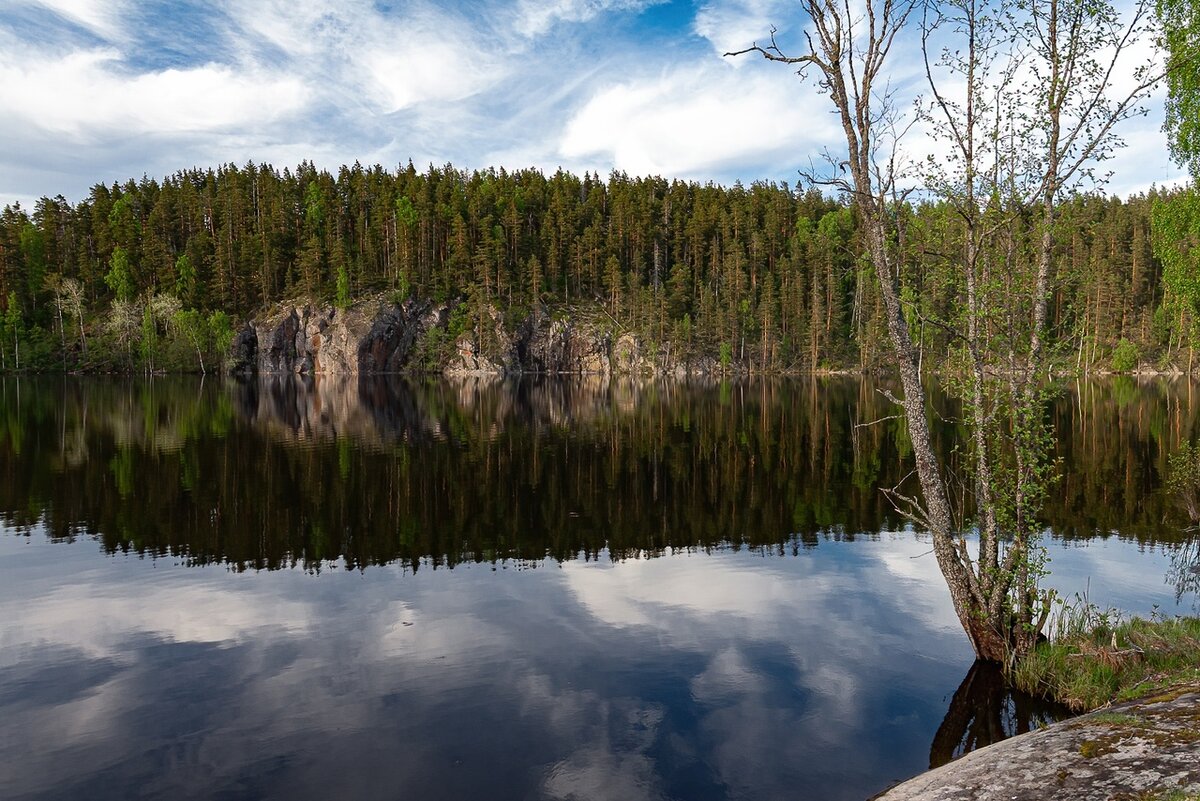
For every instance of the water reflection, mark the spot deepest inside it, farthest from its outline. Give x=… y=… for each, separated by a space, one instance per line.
x=690 y=677
x=983 y=711
x=1184 y=573
x=790 y=643
x=290 y=472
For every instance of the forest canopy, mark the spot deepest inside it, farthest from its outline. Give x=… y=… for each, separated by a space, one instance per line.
x=772 y=275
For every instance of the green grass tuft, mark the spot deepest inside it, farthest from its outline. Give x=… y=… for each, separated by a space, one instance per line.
x=1088 y=666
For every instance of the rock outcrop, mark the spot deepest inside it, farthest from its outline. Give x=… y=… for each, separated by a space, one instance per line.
x=307 y=339
x=565 y=346
x=378 y=336
x=1141 y=749
x=582 y=344
x=490 y=351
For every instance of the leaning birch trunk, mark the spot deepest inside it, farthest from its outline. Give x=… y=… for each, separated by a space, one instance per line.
x=949 y=547
x=849 y=49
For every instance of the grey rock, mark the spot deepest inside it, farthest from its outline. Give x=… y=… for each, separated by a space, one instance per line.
x=305 y=339
x=378 y=336
x=243 y=352
x=1122 y=751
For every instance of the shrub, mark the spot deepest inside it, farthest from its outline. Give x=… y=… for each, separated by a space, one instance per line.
x=1125 y=356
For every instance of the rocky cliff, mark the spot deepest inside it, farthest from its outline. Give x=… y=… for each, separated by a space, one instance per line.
x=379 y=336
x=305 y=338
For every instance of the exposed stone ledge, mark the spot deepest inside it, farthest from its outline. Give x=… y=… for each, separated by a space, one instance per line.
x=1134 y=750
x=377 y=335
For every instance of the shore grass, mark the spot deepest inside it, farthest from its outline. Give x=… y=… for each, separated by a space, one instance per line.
x=1097 y=658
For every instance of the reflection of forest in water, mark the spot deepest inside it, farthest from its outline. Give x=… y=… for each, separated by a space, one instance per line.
x=290 y=471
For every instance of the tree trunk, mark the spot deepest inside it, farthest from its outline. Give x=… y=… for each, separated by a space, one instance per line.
x=953 y=560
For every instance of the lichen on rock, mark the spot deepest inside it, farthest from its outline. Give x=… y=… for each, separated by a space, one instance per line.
x=1130 y=750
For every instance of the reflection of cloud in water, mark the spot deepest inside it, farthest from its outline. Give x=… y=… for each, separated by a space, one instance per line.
x=910 y=560
x=727 y=675
x=797 y=647
x=199 y=614
x=1107 y=572
x=821 y=675
x=614 y=763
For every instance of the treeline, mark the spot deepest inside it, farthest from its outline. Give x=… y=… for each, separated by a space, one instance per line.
x=153 y=273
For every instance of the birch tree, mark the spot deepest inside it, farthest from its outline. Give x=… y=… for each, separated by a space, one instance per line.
x=1029 y=121
x=1176 y=221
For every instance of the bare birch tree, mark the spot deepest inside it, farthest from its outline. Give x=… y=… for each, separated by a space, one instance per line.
x=73 y=303
x=123 y=323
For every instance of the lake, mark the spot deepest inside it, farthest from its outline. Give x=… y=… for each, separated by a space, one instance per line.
x=543 y=589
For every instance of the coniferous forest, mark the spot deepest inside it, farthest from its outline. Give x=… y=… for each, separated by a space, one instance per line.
x=768 y=277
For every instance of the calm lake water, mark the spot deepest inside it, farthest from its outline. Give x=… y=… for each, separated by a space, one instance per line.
x=534 y=590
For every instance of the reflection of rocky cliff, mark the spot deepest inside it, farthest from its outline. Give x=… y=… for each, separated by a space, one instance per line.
x=383 y=337
x=376 y=409
x=281 y=469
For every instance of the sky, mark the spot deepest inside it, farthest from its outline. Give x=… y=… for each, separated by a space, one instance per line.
x=105 y=90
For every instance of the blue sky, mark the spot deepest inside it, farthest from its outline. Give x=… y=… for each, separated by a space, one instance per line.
x=104 y=90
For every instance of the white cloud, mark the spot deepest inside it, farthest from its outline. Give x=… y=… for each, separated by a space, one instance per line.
x=535 y=17
x=355 y=52
x=439 y=71
x=516 y=83
x=734 y=24
x=99 y=16
x=699 y=120
x=86 y=92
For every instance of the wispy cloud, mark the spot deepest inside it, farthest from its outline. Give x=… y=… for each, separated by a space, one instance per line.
x=536 y=17
x=94 y=90
x=99 y=16
x=731 y=25
x=87 y=95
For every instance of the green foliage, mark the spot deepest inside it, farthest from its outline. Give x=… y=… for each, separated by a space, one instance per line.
x=403 y=289
x=433 y=349
x=191 y=325
x=33 y=251
x=726 y=355
x=1125 y=356
x=406 y=213
x=1180 y=38
x=342 y=300
x=778 y=274
x=220 y=329
x=314 y=206
x=119 y=277
x=185 y=278
x=125 y=227
x=14 y=330
x=148 y=339
x=460 y=320
x=1176 y=242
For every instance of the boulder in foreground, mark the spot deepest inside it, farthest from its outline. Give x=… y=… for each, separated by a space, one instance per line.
x=1144 y=749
